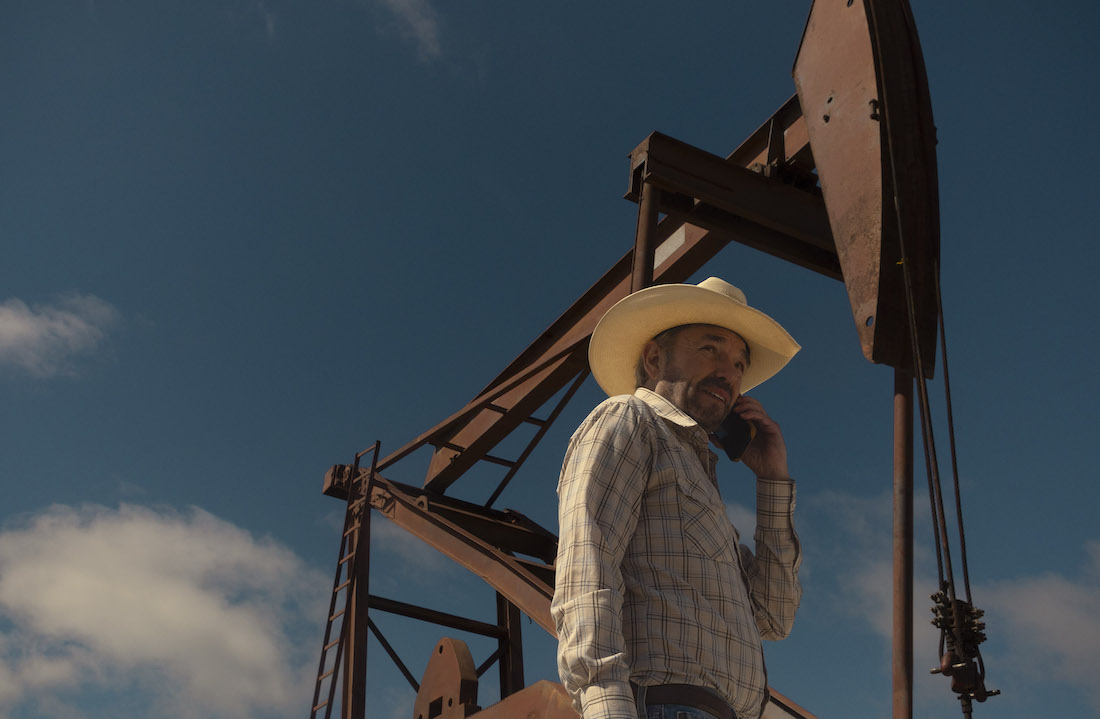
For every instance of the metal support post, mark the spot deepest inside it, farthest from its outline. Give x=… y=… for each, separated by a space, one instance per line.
x=903 y=545
x=642 y=274
x=511 y=647
x=354 y=704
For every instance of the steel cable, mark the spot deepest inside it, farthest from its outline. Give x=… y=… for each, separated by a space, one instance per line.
x=951 y=439
x=946 y=575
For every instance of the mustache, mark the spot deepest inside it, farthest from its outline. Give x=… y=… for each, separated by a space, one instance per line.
x=719 y=383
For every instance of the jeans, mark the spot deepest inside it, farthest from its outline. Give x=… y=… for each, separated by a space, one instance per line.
x=676 y=711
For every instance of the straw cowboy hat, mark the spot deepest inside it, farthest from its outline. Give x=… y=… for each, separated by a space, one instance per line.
x=621 y=334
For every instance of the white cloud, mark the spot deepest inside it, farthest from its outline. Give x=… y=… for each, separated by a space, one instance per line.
x=1051 y=624
x=866 y=571
x=1050 y=621
x=420 y=22
x=183 y=612
x=45 y=340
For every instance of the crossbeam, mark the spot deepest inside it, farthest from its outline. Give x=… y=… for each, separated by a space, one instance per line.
x=450 y=528
x=713 y=193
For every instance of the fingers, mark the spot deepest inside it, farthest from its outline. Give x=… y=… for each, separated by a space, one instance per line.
x=750 y=408
x=767 y=454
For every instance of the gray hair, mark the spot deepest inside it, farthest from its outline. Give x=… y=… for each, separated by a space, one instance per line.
x=664 y=341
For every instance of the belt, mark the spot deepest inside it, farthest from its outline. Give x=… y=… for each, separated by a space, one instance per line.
x=689 y=694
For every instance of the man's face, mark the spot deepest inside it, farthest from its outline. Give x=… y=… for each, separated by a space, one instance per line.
x=701 y=372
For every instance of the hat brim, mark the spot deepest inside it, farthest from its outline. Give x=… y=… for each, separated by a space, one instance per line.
x=620 y=335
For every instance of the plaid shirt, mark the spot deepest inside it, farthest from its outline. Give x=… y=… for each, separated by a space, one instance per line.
x=652 y=584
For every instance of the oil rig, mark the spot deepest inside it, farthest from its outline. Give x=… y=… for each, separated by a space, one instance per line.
x=841 y=180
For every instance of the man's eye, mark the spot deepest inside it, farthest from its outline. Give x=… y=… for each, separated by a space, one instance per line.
x=708 y=348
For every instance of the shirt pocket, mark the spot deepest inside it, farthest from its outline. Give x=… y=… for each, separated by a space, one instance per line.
x=704 y=519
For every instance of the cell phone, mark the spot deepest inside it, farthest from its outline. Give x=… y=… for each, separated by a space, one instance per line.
x=734 y=435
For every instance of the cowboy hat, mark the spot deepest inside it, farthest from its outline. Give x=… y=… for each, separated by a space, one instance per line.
x=620 y=335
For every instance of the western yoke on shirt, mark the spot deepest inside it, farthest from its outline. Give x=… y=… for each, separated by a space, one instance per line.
x=652 y=585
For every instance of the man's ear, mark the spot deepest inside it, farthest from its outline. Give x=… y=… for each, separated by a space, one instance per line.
x=651 y=360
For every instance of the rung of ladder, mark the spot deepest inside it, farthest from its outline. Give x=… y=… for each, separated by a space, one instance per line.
x=346 y=558
x=485 y=458
x=336 y=616
x=498 y=460
x=504 y=410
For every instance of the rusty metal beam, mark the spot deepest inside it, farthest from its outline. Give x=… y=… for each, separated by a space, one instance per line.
x=511 y=647
x=361 y=712
x=353 y=629
x=859 y=63
x=692 y=176
x=757 y=149
x=543 y=427
x=489 y=427
x=903 y=546
x=486 y=401
x=441 y=618
x=428 y=516
x=541 y=700
x=712 y=192
x=780 y=707
x=649 y=203
x=507 y=529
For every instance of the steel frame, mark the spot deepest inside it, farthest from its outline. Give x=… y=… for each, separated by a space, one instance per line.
x=868 y=140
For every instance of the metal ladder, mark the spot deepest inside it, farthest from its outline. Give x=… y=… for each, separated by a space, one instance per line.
x=355 y=518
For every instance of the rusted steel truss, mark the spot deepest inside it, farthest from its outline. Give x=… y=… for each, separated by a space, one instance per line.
x=840 y=180
x=560 y=354
x=513 y=554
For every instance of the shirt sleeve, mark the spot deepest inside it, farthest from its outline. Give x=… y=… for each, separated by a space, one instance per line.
x=602 y=481
x=772 y=573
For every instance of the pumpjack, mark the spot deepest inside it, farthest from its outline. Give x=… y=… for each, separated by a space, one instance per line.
x=840 y=180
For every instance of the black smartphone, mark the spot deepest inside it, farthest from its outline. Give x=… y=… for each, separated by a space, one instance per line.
x=734 y=435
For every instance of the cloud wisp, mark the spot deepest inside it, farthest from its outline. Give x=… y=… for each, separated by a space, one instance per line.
x=416 y=560
x=46 y=340
x=183 y=613
x=420 y=22
x=744 y=519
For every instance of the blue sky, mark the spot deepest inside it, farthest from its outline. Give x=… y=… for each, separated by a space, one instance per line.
x=243 y=239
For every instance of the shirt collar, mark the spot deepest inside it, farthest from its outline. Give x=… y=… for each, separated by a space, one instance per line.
x=688 y=428
x=665 y=409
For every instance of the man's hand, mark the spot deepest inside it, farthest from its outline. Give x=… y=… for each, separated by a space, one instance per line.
x=767 y=454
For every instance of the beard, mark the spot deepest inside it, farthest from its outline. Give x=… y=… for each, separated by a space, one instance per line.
x=692 y=399
x=706 y=409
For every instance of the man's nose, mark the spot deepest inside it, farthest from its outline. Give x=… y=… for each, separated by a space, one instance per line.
x=729 y=372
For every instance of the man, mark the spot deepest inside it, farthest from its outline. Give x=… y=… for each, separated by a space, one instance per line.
x=657 y=605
